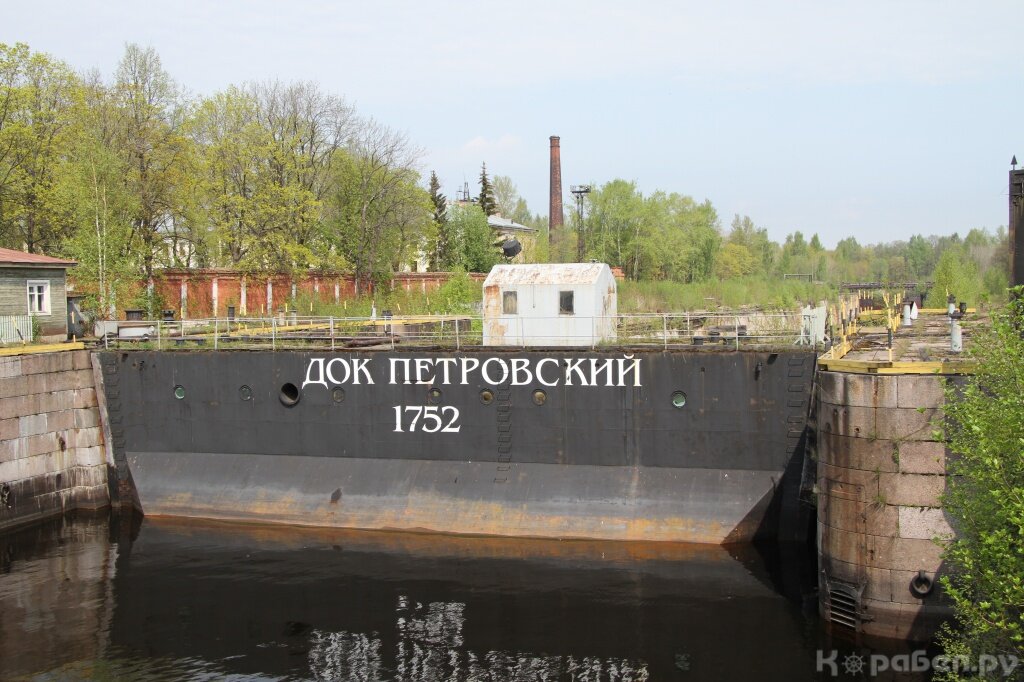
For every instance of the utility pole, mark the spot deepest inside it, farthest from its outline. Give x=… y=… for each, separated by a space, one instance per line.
x=579 y=191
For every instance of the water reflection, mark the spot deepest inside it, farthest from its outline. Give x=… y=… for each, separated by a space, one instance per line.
x=92 y=599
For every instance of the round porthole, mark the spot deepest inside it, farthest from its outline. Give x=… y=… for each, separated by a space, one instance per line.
x=244 y=392
x=678 y=399
x=290 y=394
x=434 y=395
x=487 y=396
x=539 y=397
x=338 y=394
x=179 y=392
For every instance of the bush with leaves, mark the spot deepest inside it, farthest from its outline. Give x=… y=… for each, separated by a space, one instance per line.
x=985 y=495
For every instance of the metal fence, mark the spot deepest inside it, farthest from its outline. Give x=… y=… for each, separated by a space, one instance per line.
x=15 y=328
x=732 y=329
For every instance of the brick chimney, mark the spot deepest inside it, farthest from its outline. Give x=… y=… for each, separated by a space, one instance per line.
x=555 y=217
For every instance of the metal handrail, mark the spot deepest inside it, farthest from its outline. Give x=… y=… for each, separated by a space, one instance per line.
x=733 y=329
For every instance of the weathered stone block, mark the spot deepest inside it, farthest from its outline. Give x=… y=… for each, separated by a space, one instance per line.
x=858 y=516
x=85 y=397
x=10 y=367
x=84 y=438
x=922 y=457
x=8 y=428
x=924 y=523
x=841 y=512
x=856 y=422
x=921 y=391
x=903 y=553
x=41 y=444
x=91 y=456
x=903 y=424
x=914 y=490
x=41 y=363
x=11 y=449
x=85 y=418
x=858 y=477
x=856 y=453
x=878 y=583
x=856 y=390
x=842 y=545
x=32 y=425
x=81 y=359
x=18 y=385
x=36 y=465
x=15 y=407
x=60 y=421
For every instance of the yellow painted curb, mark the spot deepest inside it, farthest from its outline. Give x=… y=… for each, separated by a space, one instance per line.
x=42 y=348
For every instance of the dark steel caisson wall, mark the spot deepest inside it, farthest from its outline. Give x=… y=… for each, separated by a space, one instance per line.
x=613 y=462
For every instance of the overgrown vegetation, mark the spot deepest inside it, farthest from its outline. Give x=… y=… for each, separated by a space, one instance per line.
x=986 y=496
x=460 y=294
x=757 y=291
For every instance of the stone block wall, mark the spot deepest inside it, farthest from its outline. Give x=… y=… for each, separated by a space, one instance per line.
x=881 y=475
x=52 y=453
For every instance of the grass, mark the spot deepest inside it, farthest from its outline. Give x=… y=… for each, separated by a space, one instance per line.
x=760 y=292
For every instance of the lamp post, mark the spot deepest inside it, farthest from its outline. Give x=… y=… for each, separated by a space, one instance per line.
x=581 y=243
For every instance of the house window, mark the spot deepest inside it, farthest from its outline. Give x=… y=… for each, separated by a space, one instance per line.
x=565 y=303
x=510 y=303
x=38 y=297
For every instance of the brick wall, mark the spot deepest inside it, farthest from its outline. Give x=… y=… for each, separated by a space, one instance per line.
x=199 y=286
x=52 y=454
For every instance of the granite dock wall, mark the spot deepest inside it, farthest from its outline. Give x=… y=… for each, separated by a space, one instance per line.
x=53 y=457
x=881 y=475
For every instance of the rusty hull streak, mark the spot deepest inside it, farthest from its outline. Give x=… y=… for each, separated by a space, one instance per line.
x=445 y=545
x=450 y=517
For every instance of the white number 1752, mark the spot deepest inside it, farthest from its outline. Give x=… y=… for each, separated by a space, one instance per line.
x=428 y=419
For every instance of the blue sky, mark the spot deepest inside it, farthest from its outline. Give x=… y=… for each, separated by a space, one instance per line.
x=873 y=119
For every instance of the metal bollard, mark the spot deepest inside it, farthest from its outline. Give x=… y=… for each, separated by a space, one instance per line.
x=956 y=337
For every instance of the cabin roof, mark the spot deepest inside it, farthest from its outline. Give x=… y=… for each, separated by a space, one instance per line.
x=546 y=273
x=9 y=257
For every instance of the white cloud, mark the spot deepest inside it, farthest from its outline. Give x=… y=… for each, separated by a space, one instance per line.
x=483 y=147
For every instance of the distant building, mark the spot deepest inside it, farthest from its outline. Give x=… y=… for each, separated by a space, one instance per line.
x=33 y=287
x=557 y=304
x=505 y=229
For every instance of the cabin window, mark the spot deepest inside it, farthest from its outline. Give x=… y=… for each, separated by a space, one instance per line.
x=565 y=303
x=38 y=297
x=510 y=303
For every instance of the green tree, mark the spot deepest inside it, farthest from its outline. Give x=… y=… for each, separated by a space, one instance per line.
x=379 y=211
x=735 y=260
x=486 y=200
x=40 y=113
x=438 y=199
x=957 y=275
x=476 y=250
x=744 y=233
x=508 y=202
x=444 y=247
x=260 y=198
x=985 y=494
x=156 y=155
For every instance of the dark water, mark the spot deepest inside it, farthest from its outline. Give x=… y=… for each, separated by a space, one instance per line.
x=105 y=599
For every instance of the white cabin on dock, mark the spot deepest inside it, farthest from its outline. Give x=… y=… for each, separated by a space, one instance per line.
x=549 y=304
